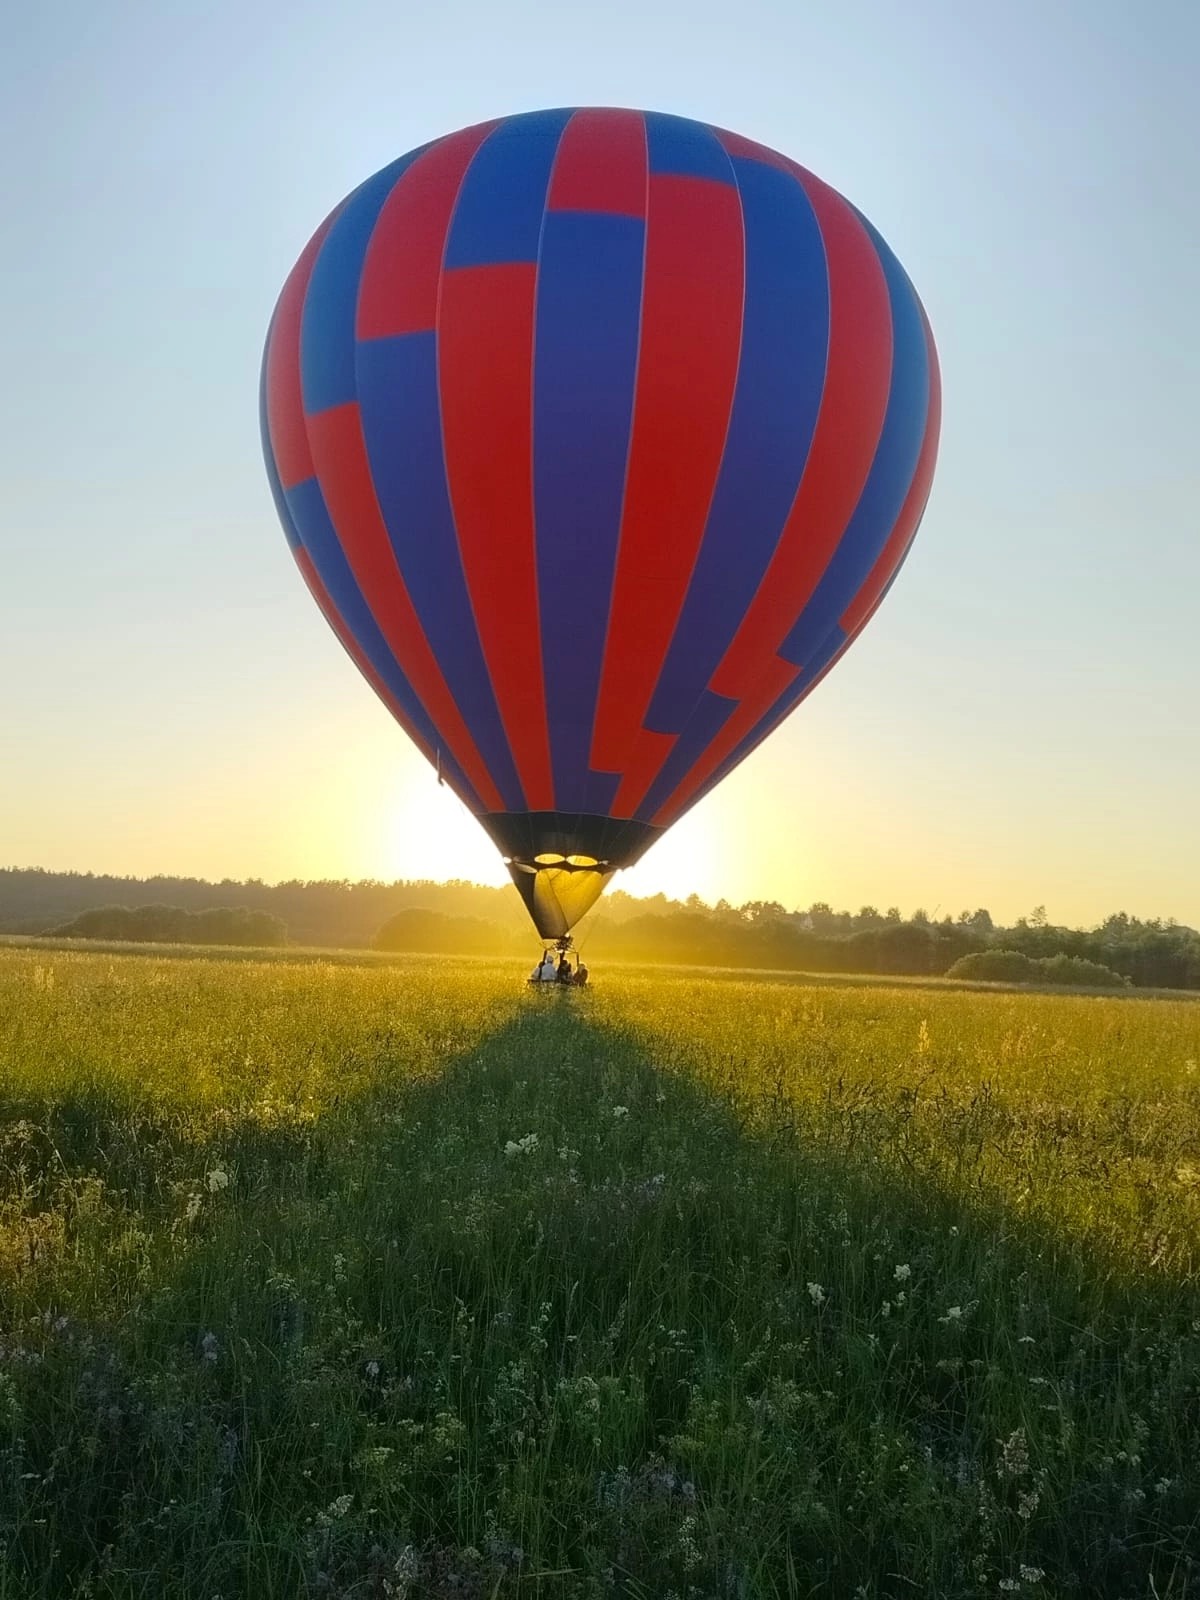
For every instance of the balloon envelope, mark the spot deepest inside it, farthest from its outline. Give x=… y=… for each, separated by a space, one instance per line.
x=597 y=436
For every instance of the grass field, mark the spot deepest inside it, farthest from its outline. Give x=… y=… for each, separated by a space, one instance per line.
x=337 y=1280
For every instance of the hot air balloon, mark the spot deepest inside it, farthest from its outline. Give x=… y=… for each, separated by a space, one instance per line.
x=597 y=436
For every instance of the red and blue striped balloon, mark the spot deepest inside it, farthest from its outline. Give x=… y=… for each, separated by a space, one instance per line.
x=597 y=436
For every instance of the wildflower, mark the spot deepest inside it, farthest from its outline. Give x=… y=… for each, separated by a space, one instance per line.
x=405 y=1571
x=522 y=1147
x=1164 y=1486
x=193 y=1207
x=957 y=1314
x=686 y=1545
x=1027 y=1504
x=217 y=1179
x=1014 y=1455
x=619 y=1112
x=1031 y=1574
x=372 y=1369
x=902 y=1273
x=210 y=1348
x=816 y=1294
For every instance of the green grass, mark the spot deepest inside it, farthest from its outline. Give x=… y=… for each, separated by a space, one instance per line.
x=356 y=1280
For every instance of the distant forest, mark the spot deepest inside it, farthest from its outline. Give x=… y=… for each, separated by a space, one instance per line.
x=467 y=919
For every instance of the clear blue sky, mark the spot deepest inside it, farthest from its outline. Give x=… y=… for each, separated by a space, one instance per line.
x=1021 y=721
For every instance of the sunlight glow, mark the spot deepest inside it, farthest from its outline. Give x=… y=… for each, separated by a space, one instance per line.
x=420 y=828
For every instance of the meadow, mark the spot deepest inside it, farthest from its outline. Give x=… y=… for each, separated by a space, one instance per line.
x=399 y=1280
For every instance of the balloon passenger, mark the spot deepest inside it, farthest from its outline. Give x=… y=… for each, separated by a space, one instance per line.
x=581 y=975
x=565 y=975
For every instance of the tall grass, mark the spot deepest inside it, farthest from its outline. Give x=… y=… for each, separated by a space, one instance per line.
x=347 y=1281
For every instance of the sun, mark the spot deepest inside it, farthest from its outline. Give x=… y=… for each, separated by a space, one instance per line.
x=425 y=831
x=683 y=862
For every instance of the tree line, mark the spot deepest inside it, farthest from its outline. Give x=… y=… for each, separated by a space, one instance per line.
x=469 y=919
x=160 y=924
x=1146 y=953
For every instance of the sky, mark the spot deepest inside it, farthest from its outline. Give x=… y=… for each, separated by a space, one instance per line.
x=1020 y=723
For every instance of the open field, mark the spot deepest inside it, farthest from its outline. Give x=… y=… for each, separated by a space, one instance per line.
x=342 y=956
x=382 y=1280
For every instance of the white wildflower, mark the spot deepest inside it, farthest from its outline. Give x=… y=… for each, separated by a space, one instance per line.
x=689 y=1550
x=619 y=1112
x=406 y=1571
x=1031 y=1574
x=1014 y=1455
x=957 y=1314
x=522 y=1147
x=1027 y=1504
x=902 y=1273
x=193 y=1207
x=816 y=1294
x=217 y=1179
x=210 y=1348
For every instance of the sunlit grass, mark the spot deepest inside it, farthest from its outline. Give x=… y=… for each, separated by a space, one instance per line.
x=368 y=1281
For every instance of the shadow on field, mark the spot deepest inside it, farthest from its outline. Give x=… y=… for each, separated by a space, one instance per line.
x=559 y=1322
